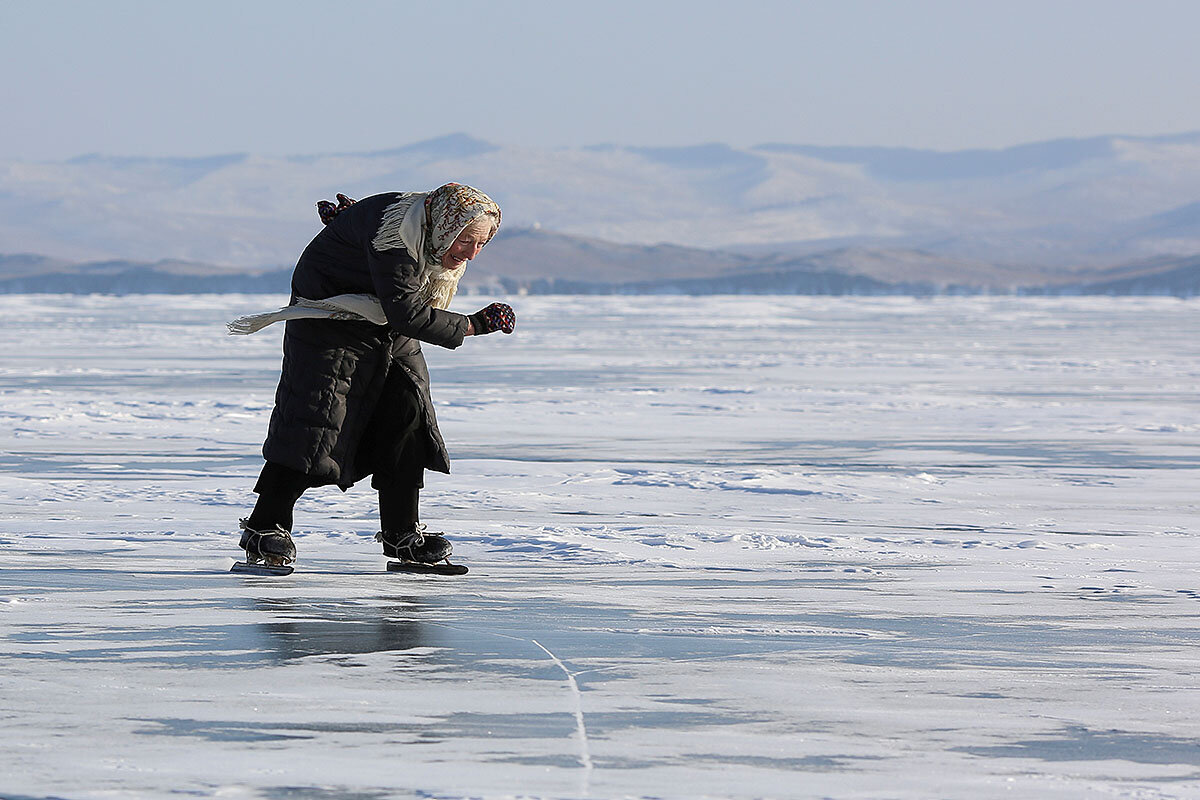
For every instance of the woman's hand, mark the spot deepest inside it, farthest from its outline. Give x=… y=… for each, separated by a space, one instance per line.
x=496 y=317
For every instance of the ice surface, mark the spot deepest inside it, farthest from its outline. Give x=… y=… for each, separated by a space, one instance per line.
x=726 y=547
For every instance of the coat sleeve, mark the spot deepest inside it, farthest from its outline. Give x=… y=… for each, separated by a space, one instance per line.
x=397 y=285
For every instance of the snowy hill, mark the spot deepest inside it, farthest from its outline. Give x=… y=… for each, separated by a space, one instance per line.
x=1051 y=205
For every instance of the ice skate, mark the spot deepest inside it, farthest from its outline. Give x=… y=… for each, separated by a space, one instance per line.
x=269 y=552
x=418 y=551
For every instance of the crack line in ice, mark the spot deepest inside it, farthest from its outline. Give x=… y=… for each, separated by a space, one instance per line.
x=584 y=755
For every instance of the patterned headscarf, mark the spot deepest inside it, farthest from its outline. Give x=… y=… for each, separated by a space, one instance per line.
x=427 y=225
x=451 y=208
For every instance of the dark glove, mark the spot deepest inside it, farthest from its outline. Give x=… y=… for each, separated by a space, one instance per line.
x=329 y=211
x=496 y=317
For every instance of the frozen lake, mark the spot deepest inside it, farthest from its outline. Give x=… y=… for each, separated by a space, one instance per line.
x=727 y=547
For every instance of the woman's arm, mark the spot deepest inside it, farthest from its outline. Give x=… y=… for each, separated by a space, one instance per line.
x=396 y=278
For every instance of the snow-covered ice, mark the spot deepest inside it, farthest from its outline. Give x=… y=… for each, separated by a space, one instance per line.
x=727 y=547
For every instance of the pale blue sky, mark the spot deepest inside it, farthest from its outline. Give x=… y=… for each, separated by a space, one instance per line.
x=282 y=77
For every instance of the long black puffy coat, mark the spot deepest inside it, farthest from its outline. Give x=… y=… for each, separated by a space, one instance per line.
x=335 y=373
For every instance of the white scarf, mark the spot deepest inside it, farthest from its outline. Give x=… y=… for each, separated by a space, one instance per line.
x=403 y=226
x=353 y=307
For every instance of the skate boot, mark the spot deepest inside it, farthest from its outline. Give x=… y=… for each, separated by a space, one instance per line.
x=414 y=545
x=274 y=548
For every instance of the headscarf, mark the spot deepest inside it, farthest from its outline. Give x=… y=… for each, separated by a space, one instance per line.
x=429 y=227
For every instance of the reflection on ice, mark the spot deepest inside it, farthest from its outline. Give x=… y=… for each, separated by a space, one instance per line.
x=292 y=633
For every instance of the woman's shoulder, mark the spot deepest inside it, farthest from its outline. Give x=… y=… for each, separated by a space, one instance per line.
x=356 y=219
x=384 y=198
x=377 y=202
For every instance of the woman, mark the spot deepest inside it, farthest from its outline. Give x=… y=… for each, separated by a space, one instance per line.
x=353 y=398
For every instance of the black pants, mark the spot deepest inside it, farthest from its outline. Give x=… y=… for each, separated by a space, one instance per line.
x=394 y=451
x=279 y=488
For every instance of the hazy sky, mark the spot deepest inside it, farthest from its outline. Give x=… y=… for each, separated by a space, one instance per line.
x=127 y=77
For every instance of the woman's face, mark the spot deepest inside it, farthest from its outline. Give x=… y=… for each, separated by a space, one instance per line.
x=468 y=244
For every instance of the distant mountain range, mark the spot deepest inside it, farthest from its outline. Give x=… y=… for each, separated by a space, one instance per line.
x=537 y=262
x=1112 y=213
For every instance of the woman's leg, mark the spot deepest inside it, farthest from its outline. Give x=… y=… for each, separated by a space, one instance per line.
x=396 y=448
x=278 y=489
x=398 y=508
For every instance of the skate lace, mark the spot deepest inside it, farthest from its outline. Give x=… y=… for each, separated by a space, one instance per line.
x=255 y=541
x=413 y=538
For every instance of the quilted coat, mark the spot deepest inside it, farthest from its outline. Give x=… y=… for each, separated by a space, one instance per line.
x=335 y=374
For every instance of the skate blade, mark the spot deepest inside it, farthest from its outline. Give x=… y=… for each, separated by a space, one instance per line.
x=261 y=569
x=444 y=568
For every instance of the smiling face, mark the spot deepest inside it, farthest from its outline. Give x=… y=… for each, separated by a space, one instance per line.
x=469 y=243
